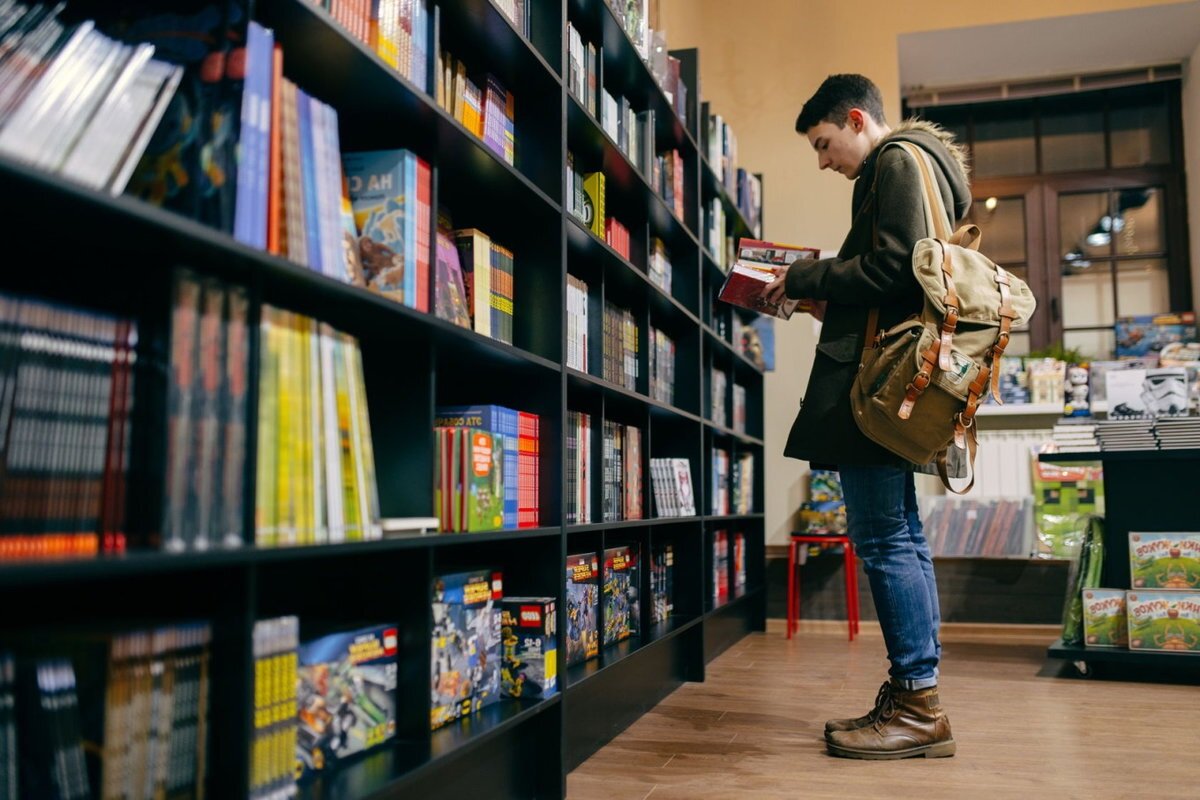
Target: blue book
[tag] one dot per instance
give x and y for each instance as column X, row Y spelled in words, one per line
column 262, row 51
column 376, row 180
column 249, row 222
column 333, row 163
column 308, row 173
column 495, row 420
column 410, row 229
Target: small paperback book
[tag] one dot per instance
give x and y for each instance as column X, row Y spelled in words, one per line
column 1166, row 621
column 754, row 270
column 1104, row 623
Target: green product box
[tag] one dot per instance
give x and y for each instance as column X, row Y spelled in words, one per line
column 1104, row 620
column 1165, row 621
column 1164, row 560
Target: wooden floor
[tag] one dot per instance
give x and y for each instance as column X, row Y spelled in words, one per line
column 754, row 730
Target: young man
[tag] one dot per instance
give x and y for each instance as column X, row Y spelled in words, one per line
column 844, row 123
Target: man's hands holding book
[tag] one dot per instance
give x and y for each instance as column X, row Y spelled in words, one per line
column 775, row 293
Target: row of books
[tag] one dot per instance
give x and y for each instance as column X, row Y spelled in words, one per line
column 662, row 582
column 659, row 266
column 996, row 527
column 74, row 101
column 481, row 104
column 671, row 481
column 398, row 31
column 585, row 195
column 732, row 483
column 487, row 458
column 662, row 367
column 667, row 178
column 728, row 549
column 517, row 12
column 316, row 466
column 721, row 152
column 631, row 130
column 489, row 283
column 577, row 324
column 620, row 346
column 716, row 238
column 276, row 713
column 622, row 472
column 138, row 726
column 617, row 236
column 739, row 408
column 67, row 399
column 579, row 477
column 583, row 69
column 719, row 388
column 603, row 607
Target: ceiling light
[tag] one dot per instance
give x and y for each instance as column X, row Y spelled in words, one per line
column 990, row 203
column 1098, row 239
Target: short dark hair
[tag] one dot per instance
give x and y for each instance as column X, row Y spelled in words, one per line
column 834, row 99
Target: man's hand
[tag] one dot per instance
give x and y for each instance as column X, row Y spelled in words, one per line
column 774, row 293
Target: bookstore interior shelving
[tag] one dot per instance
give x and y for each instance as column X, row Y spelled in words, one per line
column 117, row 255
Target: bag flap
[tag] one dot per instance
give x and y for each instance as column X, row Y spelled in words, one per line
column 957, row 380
column 975, row 281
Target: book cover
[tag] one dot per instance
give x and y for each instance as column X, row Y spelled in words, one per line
column 465, row 658
column 529, row 638
column 376, row 182
column 593, row 187
column 620, row 584
column 583, row 605
column 474, row 251
column 499, row 421
column 450, row 295
column 485, row 481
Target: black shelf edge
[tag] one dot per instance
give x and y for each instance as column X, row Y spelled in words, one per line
column 722, row 430
column 157, row 232
column 576, row 235
column 657, row 209
column 141, row 564
column 391, row 769
column 716, row 187
column 1121, row 455
column 282, row 13
column 533, row 51
column 615, row 654
column 1121, row 656
column 711, row 262
column 733, row 602
column 591, row 527
column 734, row 517
column 655, row 405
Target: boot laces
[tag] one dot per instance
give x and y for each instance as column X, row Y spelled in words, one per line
column 882, row 699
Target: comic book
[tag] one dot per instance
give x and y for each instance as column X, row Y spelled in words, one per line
column 465, row 651
column 621, row 608
column 583, row 603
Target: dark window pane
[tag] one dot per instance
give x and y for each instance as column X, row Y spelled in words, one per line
column 1072, row 135
column 1087, row 294
column 1002, row 221
column 1084, row 226
column 1004, row 141
column 1138, row 226
column 1138, row 120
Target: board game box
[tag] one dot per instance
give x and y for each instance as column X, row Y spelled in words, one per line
column 1164, row 560
column 1149, row 334
column 1167, row 621
column 583, row 606
column 621, row 607
column 529, row 636
column 465, row 666
column 346, row 695
column 1104, row 621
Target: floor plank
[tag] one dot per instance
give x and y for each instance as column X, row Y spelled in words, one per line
column 753, row 729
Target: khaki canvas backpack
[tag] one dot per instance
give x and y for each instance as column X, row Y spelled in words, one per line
column 920, row 382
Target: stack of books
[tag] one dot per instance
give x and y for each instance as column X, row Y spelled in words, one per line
column 1127, row 434
column 1178, row 433
column 1076, row 435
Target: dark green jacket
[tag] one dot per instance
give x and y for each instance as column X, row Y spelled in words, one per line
column 867, row 274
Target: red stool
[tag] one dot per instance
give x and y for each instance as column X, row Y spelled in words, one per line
column 793, row 608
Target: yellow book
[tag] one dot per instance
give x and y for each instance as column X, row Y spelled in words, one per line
column 368, row 490
column 266, row 518
column 350, row 507
column 593, row 185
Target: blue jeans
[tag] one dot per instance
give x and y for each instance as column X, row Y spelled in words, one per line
column 885, row 526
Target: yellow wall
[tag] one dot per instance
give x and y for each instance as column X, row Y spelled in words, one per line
column 759, row 61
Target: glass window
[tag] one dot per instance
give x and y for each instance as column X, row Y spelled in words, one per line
column 1004, row 141
column 1072, row 135
column 1138, row 226
column 1002, row 222
column 1087, row 294
column 1084, row 226
column 1138, row 121
column 1143, row 287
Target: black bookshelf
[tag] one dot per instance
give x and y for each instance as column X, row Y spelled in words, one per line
column 1144, row 490
column 116, row 254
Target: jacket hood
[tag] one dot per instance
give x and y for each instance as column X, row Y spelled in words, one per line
column 946, row 153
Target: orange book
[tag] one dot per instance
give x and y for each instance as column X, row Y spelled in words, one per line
column 274, row 187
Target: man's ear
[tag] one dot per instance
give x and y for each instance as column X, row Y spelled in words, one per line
column 856, row 120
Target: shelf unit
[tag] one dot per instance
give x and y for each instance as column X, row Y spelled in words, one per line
column 1170, row 478
column 413, row 364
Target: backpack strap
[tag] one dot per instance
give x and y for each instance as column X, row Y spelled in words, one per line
column 972, row 445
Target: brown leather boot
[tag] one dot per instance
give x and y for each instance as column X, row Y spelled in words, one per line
column 908, row 723
column 859, row 722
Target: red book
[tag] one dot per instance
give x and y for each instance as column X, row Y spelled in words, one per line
column 527, row 470
column 424, row 239
column 754, row 270
column 274, row 186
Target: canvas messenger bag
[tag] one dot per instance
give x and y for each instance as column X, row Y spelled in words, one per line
column 920, row 383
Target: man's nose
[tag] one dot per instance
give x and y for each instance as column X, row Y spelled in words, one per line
column 825, row 163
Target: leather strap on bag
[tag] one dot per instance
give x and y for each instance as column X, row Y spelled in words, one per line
column 944, row 473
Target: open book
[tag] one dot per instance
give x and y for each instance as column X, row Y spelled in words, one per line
column 753, row 272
